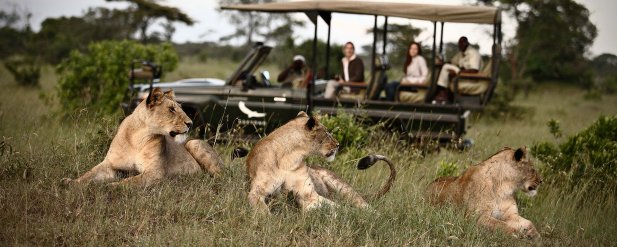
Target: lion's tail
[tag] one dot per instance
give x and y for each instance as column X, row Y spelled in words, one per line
column 369, row 161
column 239, row 152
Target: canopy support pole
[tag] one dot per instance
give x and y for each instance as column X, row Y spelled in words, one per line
column 374, row 47
column 433, row 88
column 441, row 40
column 385, row 36
column 327, row 17
column 311, row 86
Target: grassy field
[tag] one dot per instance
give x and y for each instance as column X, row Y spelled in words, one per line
column 40, row 149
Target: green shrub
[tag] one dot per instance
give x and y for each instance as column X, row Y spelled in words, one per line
column 447, row 169
column 98, row 78
column 349, row 130
column 589, row 157
column 26, row 70
column 553, row 127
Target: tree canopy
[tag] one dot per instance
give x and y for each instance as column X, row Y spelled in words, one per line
column 252, row 25
column 146, row 12
column 551, row 40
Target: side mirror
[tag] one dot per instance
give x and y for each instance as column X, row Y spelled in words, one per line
column 265, row 78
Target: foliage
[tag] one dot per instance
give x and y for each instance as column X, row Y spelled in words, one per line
column 200, row 210
column 501, row 106
column 59, row 36
column 605, row 70
column 26, row 70
column 98, row 78
column 347, row 129
column 551, row 40
column 447, row 169
column 14, row 38
column 589, row 157
column 553, row 127
column 145, row 12
column 252, row 25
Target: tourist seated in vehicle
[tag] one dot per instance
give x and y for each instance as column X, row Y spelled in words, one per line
column 352, row 72
column 415, row 71
column 467, row 60
column 296, row 75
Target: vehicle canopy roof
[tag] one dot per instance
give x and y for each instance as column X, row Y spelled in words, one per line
column 429, row 12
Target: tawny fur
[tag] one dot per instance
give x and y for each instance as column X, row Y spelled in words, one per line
column 487, row 191
column 277, row 163
column 145, row 144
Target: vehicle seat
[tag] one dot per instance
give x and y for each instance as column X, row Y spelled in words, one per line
column 414, row 93
column 474, row 84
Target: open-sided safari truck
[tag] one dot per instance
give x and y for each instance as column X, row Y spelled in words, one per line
column 249, row 102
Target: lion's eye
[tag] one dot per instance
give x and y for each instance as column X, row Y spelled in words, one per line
column 171, row 109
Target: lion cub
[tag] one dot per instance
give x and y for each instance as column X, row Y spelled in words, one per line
column 487, row 190
column 277, row 163
column 150, row 142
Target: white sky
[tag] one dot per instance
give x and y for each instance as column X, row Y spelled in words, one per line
column 211, row 25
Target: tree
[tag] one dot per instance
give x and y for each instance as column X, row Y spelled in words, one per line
column 146, row 12
column 58, row 36
column 14, row 37
column 268, row 27
column 399, row 37
column 551, row 39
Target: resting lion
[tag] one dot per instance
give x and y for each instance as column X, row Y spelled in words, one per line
column 277, row 163
column 487, row 190
column 150, row 142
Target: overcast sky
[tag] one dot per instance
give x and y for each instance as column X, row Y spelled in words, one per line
column 211, row 25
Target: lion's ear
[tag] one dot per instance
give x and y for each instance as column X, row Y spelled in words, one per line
column 154, row 98
column 302, row 114
column 520, row 153
column 310, row 124
column 170, row 94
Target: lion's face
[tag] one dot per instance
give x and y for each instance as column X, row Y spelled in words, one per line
column 324, row 143
column 529, row 176
column 166, row 116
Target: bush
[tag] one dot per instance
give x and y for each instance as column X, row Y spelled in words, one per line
column 589, row 157
column 26, row 70
column 447, row 169
column 348, row 130
column 98, row 78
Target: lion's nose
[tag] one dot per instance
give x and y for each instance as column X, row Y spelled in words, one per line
column 188, row 124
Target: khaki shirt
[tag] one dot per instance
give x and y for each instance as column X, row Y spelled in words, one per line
column 470, row 59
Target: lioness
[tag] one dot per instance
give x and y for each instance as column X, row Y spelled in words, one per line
column 487, row 190
column 277, row 162
column 150, row 142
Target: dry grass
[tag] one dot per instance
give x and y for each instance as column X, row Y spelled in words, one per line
column 35, row 209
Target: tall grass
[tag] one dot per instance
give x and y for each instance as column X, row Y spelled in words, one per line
column 35, row 209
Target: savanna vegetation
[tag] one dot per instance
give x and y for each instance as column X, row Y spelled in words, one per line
column 58, row 113
column 38, row 149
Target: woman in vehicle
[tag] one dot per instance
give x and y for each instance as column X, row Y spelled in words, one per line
column 415, row 71
column 353, row 71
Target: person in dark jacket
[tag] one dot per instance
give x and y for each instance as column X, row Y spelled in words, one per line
column 353, row 71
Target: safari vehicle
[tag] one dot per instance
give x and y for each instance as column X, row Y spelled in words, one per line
column 250, row 103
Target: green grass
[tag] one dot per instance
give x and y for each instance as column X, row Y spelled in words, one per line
column 40, row 149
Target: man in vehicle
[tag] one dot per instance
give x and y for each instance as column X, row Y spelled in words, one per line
column 467, row 60
column 296, row 75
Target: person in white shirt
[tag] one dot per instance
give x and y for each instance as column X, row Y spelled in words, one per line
column 467, row 60
column 415, row 70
